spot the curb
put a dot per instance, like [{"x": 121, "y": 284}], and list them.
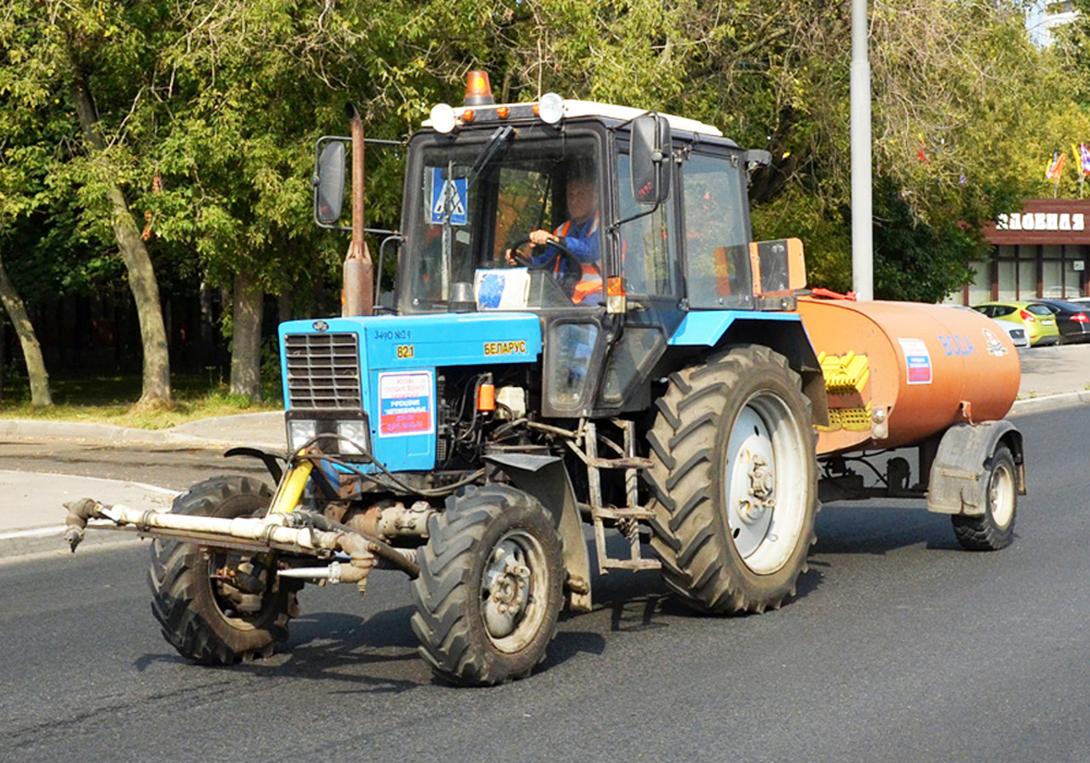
[
  {"x": 1048, "y": 403},
  {"x": 115, "y": 434}
]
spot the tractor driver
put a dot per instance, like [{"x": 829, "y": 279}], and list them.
[{"x": 579, "y": 235}]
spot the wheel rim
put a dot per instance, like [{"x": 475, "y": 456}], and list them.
[
  {"x": 512, "y": 606},
  {"x": 240, "y": 609},
  {"x": 765, "y": 474},
  {"x": 1001, "y": 495}
]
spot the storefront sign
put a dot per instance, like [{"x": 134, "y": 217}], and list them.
[
  {"x": 1043, "y": 221},
  {"x": 1055, "y": 222}
]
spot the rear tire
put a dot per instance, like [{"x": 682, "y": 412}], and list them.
[
  {"x": 490, "y": 587},
  {"x": 204, "y": 616},
  {"x": 734, "y": 478},
  {"x": 995, "y": 529}
]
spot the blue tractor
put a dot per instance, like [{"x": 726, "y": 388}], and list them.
[{"x": 637, "y": 373}]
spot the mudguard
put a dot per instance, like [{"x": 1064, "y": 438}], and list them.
[
  {"x": 957, "y": 483},
  {"x": 547, "y": 480}
]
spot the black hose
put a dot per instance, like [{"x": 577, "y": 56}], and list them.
[{"x": 378, "y": 547}]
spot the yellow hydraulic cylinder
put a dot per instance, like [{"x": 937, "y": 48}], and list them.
[{"x": 291, "y": 488}]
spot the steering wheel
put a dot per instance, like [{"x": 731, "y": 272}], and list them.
[
  {"x": 574, "y": 268},
  {"x": 561, "y": 251}
]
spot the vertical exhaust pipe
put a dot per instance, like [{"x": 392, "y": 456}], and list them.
[{"x": 357, "y": 294}]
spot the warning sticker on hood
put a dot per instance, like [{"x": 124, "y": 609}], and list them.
[{"x": 405, "y": 404}]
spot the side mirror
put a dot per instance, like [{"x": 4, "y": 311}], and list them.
[
  {"x": 650, "y": 164},
  {"x": 329, "y": 183}
]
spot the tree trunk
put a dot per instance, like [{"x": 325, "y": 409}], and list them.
[
  {"x": 32, "y": 351},
  {"x": 247, "y": 307},
  {"x": 142, "y": 282}
]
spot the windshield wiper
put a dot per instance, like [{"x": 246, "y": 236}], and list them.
[{"x": 499, "y": 140}]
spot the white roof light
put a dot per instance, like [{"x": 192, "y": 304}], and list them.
[
  {"x": 550, "y": 108},
  {"x": 442, "y": 118}
]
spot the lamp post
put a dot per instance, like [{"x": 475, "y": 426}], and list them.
[{"x": 862, "y": 185}]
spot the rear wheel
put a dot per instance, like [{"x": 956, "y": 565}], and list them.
[
  {"x": 490, "y": 587},
  {"x": 735, "y": 481},
  {"x": 995, "y": 529},
  {"x": 217, "y": 606}
]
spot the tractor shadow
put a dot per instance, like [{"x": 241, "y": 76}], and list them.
[
  {"x": 879, "y": 527},
  {"x": 367, "y": 644}
]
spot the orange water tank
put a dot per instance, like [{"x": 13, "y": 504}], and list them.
[{"x": 898, "y": 372}]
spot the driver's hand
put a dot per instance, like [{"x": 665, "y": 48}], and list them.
[
  {"x": 541, "y": 237},
  {"x": 509, "y": 255}
]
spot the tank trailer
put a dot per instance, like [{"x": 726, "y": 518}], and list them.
[{"x": 660, "y": 382}]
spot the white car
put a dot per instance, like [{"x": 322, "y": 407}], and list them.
[{"x": 1016, "y": 332}]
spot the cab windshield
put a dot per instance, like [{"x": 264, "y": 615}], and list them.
[{"x": 475, "y": 201}]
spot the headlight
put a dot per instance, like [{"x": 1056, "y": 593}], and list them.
[
  {"x": 355, "y": 437},
  {"x": 442, "y": 118},
  {"x": 300, "y": 431},
  {"x": 550, "y": 108}
]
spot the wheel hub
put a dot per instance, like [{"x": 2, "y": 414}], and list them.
[
  {"x": 505, "y": 590},
  {"x": 751, "y": 474},
  {"x": 759, "y": 501}
]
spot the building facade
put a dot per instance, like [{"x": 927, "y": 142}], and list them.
[{"x": 1043, "y": 250}]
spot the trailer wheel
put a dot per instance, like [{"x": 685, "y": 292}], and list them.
[
  {"x": 995, "y": 529},
  {"x": 204, "y": 613},
  {"x": 490, "y": 587},
  {"x": 734, "y": 480}
]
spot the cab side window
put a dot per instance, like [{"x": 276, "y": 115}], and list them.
[
  {"x": 647, "y": 257},
  {"x": 717, "y": 265}
]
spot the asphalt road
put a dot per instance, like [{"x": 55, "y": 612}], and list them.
[{"x": 900, "y": 647}]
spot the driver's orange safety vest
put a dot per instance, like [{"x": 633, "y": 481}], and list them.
[{"x": 590, "y": 281}]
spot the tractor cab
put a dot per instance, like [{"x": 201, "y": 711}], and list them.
[
  {"x": 667, "y": 231},
  {"x": 616, "y": 227}
]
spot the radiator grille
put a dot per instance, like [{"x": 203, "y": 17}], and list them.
[{"x": 323, "y": 371}]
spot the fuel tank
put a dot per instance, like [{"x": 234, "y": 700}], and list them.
[{"x": 898, "y": 372}]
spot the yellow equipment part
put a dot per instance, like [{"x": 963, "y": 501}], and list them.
[
  {"x": 853, "y": 419},
  {"x": 291, "y": 488},
  {"x": 844, "y": 374}
]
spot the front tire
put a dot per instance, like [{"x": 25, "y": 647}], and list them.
[
  {"x": 734, "y": 479},
  {"x": 202, "y": 614},
  {"x": 490, "y": 587},
  {"x": 995, "y": 529}
]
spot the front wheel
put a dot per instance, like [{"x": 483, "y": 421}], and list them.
[
  {"x": 490, "y": 587},
  {"x": 215, "y": 606},
  {"x": 995, "y": 529},
  {"x": 734, "y": 479}
]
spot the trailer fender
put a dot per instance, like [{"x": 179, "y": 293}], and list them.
[
  {"x": 547, "y": 480},
  {"x": 957, "y": 482}
]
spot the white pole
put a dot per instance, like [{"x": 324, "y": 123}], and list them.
[{"x": 862, "y": 185}]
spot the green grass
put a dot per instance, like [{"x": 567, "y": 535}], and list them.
[{"x": 110, "y": 400}]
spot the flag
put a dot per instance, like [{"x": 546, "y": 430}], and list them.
[
  {"x": 1056, "y": 168},
  {"x": 1084, "y": 153},
  {"x": 1080, "y": 166}
]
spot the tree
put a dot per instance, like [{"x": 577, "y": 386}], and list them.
[
  {"x": 20, "y": 193},
  {"x": 75, "y": 48}
]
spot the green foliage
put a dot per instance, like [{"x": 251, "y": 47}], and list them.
[
  {"x": 912, "y": 260},
  {"x": 209, "y": 111}
]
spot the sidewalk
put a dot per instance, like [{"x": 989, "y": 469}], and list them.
[
  {"x": 263, "y": 430},
  {"x": 1052, "y": 378}
]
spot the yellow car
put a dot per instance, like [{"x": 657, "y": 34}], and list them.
[{"x": 1038, "y": 320}]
